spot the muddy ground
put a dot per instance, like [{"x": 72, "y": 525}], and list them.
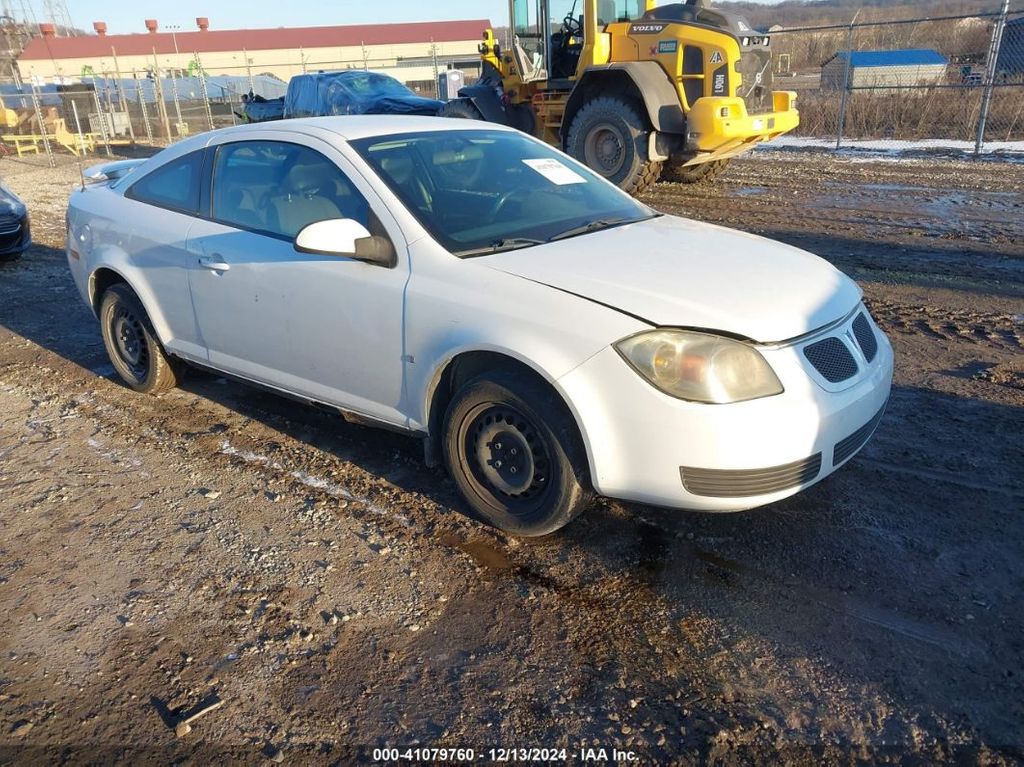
[{"x": 320, "y": 581}]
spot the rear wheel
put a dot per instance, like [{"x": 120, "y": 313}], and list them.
[
  {"x": 515, "y": 454},
  {"x": 694, "y": 174},
  {"x": 462, "y": 108},
  {"x": 132, "y": 345},
  {"x": 609, "y": 135}
]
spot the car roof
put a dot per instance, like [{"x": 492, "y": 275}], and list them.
[{"x": 350, "y": 127}]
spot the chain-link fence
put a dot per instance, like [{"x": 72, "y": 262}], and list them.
[
  {"x": 100, "y": 111},
  {"x": 104, "y": 111},
  {"x": 952, "y": 82}
]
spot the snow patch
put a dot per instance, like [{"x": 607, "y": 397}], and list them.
[
  {"x": 894, "y": 149},
  {"x": 309, "y": 480}
]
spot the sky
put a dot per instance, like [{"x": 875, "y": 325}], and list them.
[{"x": 128, "y": 17}]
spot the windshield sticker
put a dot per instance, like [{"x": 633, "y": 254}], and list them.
[{"x": 555, "y": 172}]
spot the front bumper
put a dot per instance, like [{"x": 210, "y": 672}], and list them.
[
  {"x": 646, "y": 446},
  {"x": 719, "y": 127}
]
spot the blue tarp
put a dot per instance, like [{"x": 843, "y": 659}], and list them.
[{"x": 354, "y": 92}]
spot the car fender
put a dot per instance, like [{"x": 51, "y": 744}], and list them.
[
  {"x": 549, "y": 331},
  {"x": 116, "y": 260},
  {"x": 579, "y": 415}
]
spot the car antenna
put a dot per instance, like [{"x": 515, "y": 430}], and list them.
[{"x": 81, "y": 143}]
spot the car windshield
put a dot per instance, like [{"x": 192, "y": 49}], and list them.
[{"x": 481, "y": 191}]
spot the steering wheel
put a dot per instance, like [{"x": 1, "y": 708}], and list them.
[
  {"x": 503, "y": 199},
  {"x": 571, "y": 27}
]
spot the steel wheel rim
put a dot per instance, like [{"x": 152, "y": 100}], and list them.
[
  {"x": 509, "y": 459},
  {"x": 130, "y": 342},
  {"x": 605, "y": 149}
]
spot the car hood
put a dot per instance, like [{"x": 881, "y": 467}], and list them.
[{"x": 670, "y": 271}]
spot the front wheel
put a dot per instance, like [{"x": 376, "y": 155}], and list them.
[
  {"x": 609, "y": 135},
  {"x": 694, "y": 174},
  {"x": 132, "y": 345},
  {"x": 515, "y": 454}
]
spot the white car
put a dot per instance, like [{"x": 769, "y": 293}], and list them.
[{"x": 547, "y": 335}]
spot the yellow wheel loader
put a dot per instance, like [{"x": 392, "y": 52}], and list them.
[{"x": 634, "y": 91}]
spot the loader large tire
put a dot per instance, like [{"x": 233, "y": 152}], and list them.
[
  {"x": 694, "y": 174},
  {"x": 609, "y": 135},
  {"x": 463, "y": 108}
]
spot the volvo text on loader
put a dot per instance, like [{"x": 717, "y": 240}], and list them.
[{"x": 633, "y": 91}]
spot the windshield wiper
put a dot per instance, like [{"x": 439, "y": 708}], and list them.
[
  {"x": 500, "y": 245},
  {"x": 595, "y": 226}
]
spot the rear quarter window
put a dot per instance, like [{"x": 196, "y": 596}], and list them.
[{"x": 174, "y": 185}]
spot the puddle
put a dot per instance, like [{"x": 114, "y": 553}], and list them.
[
  {"x": 936, "y": 211},
  {"x": 751, "y": 191},
  {"x": 932, "y": 190},
  {"x": 484, "y": 554}
]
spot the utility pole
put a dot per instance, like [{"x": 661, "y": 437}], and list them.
[{"x": 990, "y": 75}]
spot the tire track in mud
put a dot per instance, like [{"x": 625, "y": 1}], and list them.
[{"x": 1001, "y": 330}]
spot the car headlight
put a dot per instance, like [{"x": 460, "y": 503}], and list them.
[{"x": 700, "y": 367}]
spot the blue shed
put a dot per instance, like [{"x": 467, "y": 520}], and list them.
[{"x": 908, "y": 68}]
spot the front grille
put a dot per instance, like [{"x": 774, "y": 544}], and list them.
[
  {"x": 832, "y": 359},
  {"x": 9, "y": 241},
  {"x": 865, "y": 337},
  {"x": 742, "y": 483},
  {"x": 9, "y": 227},
  {"x": 846, "y": 448}
]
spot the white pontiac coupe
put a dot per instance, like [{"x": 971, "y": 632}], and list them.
[{"x": 544, "y": 333}]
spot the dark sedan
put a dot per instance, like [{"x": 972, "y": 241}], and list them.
[{"x": 15, "y": 235}]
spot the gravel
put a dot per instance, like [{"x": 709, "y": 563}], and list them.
[{"x": 320, "y": 580}]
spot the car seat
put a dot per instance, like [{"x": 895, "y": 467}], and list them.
[{"x": 305, "y": 199}]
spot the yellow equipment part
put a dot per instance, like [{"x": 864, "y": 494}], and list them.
[
  {"x": 678, "y": 70},
  {"x": 720, "y": 128}
]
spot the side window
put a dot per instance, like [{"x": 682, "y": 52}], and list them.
[
  {"x": 174, "y": 185},
  {"x": 279, "y": 188}
]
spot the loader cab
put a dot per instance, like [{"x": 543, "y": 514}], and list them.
[{"x": 548, "y": 36}]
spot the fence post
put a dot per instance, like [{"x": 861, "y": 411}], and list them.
[
  {"x": 78, "y": 130},
  {"x": 990, "y": 76},
  {"x": 202, "y": 84},
  {"x": 42, "y": 126},
  {"x": 844, "y": 97},
  {"x": 102, "y": 120},
  {"x": 177, "y": 103},
  {"x": 124, "y": 98},
  {"x": 142, "y": 107},
  {"x": 161, "y": 104}
]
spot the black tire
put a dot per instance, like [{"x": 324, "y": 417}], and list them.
[
  {"x": 609, "y": 135},
  {"x": 462, "y": 108},
  {"x": 694, "y": 174},
  {"x": 515, "y": 454},
  {"x": 132, "y": 344}
]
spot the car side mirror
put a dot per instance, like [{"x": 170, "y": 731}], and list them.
[{"x": 345, "y": 237}]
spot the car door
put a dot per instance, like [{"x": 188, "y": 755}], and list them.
[
  {"x": 324, "y": 327},
  {"x": 160, "y": 208}
]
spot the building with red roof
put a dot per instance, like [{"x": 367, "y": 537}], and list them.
[{"x": 407, "y": 50}]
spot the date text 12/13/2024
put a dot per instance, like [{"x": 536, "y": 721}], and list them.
[{"x": 428, "y": 754}]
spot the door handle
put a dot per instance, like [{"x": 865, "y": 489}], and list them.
[{"x": 214, "y": 264}]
